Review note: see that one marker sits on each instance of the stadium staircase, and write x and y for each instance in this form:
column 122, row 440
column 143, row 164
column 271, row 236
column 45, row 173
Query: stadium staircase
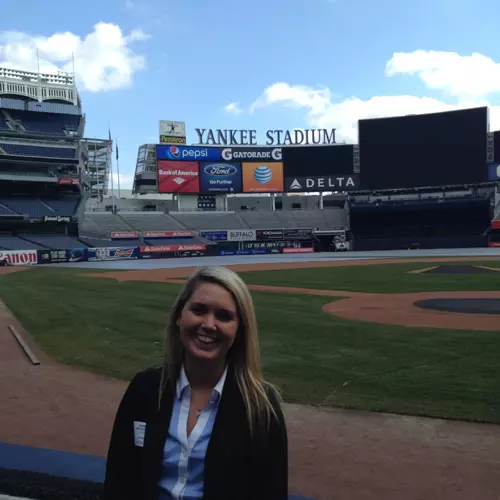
column 244, row 225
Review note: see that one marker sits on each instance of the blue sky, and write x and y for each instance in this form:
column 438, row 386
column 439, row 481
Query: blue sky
column 261, row 65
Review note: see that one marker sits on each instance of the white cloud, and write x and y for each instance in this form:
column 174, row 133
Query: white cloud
column 104, row 58
column 233, row 108
column 129, row 5
column 464, row 77
column 438, row 71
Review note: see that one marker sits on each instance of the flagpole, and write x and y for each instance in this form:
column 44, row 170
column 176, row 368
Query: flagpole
column 110, row 152
column 97, row 176
column 118, row 170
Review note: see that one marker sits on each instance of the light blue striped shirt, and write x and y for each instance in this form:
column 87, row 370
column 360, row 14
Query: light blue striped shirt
column 183, row 456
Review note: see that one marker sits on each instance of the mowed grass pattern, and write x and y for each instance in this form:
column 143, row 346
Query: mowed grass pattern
column 116, row 329
column 380, row 278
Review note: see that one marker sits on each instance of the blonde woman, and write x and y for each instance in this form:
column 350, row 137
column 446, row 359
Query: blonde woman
column 206, row 425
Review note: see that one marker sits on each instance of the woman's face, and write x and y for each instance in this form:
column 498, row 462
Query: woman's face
column 208, row 323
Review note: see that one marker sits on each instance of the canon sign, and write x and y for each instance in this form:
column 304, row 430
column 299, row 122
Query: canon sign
column 19, row 257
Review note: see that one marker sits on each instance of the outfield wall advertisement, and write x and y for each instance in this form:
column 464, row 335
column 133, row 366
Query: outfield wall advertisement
column 19, row 257
column 110, row 253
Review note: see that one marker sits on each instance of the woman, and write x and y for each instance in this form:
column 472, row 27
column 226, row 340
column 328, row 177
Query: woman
column 206, row 425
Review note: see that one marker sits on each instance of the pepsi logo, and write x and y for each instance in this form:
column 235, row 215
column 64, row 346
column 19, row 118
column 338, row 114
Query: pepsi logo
column 175, row 152
column 220, row 169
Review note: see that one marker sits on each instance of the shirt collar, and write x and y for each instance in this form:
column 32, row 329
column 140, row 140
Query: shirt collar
column 183, row 382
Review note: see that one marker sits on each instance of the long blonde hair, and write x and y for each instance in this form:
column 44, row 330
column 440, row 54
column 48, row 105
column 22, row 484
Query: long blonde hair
column 244, row 355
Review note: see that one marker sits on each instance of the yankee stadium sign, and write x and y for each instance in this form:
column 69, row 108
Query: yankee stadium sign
column 231, row 137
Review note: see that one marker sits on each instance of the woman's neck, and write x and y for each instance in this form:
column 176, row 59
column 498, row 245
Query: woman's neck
column 203, row 375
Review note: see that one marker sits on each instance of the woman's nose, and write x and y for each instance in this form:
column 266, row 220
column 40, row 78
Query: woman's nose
column 209, row 322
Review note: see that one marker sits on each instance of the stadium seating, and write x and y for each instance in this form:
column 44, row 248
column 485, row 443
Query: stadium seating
column 123, row 242
column 46, row 123
column 39, row 151
column 55, row 241
column 35, row 207
column 3, row 123
column 102, row 224
column 5, row 210
column 151, row 221
column 328, row 218
column 202, row 221
column 14, row 243
column 65, row 206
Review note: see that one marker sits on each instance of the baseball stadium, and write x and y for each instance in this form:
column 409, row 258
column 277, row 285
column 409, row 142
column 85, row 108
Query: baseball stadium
column 374, row 269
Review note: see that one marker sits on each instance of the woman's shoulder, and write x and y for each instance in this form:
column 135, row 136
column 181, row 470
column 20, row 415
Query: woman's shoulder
column 145, row 383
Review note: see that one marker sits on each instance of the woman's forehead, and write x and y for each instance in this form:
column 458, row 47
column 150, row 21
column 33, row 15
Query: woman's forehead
column 213, row 294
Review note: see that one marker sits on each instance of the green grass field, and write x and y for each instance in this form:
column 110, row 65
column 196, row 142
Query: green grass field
column 116, row 329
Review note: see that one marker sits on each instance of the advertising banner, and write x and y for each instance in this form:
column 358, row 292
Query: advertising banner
column 187, row 153
column 252, row 154
column 494, row 172
column 68, row 181
column 172, row 248
column 110, row 253
column 270, row 246
column 220, row 177
column 297, row 234
column 214, row 235
column 495, row 224
column 167, row 234
column 126, row 235
column 259, row 251
column 269, row 234
column 65, row 255
column 172, row 132
column 494, row 244
column 241, row 235
column 298, row 250
column 19, row 257
column 263, row 177
column 56, row 218
column 320, row 184
column 178, row 177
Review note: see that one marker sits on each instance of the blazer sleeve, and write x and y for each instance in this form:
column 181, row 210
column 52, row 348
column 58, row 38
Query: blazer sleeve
column 269, row 474
column 123, row 479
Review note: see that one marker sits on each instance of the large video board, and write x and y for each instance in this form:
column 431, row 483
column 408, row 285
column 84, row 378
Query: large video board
column 424, row 150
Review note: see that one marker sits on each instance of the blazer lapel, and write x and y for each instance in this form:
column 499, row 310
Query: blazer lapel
column 227, row 441
column 154, row 442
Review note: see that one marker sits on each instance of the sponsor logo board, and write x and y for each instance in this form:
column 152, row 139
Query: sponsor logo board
column 252, row 154
column 214, row 235
column 67, row 255
column 322, row 183
column 297, row 234
column 172, row 128
column 167, row 234
column 187, row 153
column 178, row 177
column 220, row 177
column 57, row 218
column 169, row 139
column 298, row 250
column 172, row 248
column 68, row 181
column 262, row 177
column 124, row 235
column 242, row 235
column 20, row 257
column 495, row 224
column 269, row 234
column 112, row 253
column 494, row 244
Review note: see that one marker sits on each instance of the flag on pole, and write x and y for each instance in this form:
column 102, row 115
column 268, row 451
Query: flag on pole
column 110, row 141
column 117, row 150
